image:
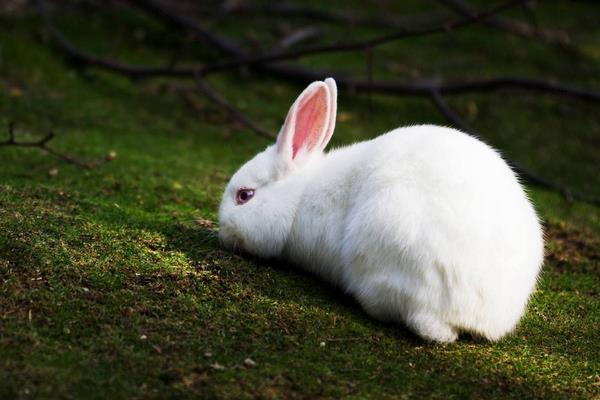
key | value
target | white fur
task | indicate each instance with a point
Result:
(425, 225)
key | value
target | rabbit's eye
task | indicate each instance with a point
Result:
(243, 195)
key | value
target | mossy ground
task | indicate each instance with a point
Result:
(112, 284)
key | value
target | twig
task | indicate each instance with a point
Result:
(515, 27)
(233, 111)
(223, 44)
(42, 144)
(79, 56)
(297, 36)
(344, 339)
(530, 15)
(523, 172)
(369, 71)
(448, 113)
(288, 9)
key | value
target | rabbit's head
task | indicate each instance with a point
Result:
(260, 201)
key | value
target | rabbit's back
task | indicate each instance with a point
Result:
(440, 234)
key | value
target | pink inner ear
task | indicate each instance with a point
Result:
(310, 121)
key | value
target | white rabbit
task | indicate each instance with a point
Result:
(425, 225)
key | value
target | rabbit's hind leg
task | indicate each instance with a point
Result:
(431, 328)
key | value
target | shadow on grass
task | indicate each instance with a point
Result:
(444, 370)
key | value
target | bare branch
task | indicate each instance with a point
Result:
(288, 9)
(241, 58)
(223, 44)
(233, 111)
(11, 133)
(302, 74)
(80, 56)
(449, 113)
(297, 36)
(424, 87)
(42, 144)
(530, 15)
(515, 27)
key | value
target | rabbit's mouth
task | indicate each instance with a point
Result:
(236, 247)
(230, 241)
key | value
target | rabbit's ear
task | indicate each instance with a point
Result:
(310, 122)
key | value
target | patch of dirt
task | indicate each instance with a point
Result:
(571, 249)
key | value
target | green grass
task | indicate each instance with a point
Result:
(112, 284)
